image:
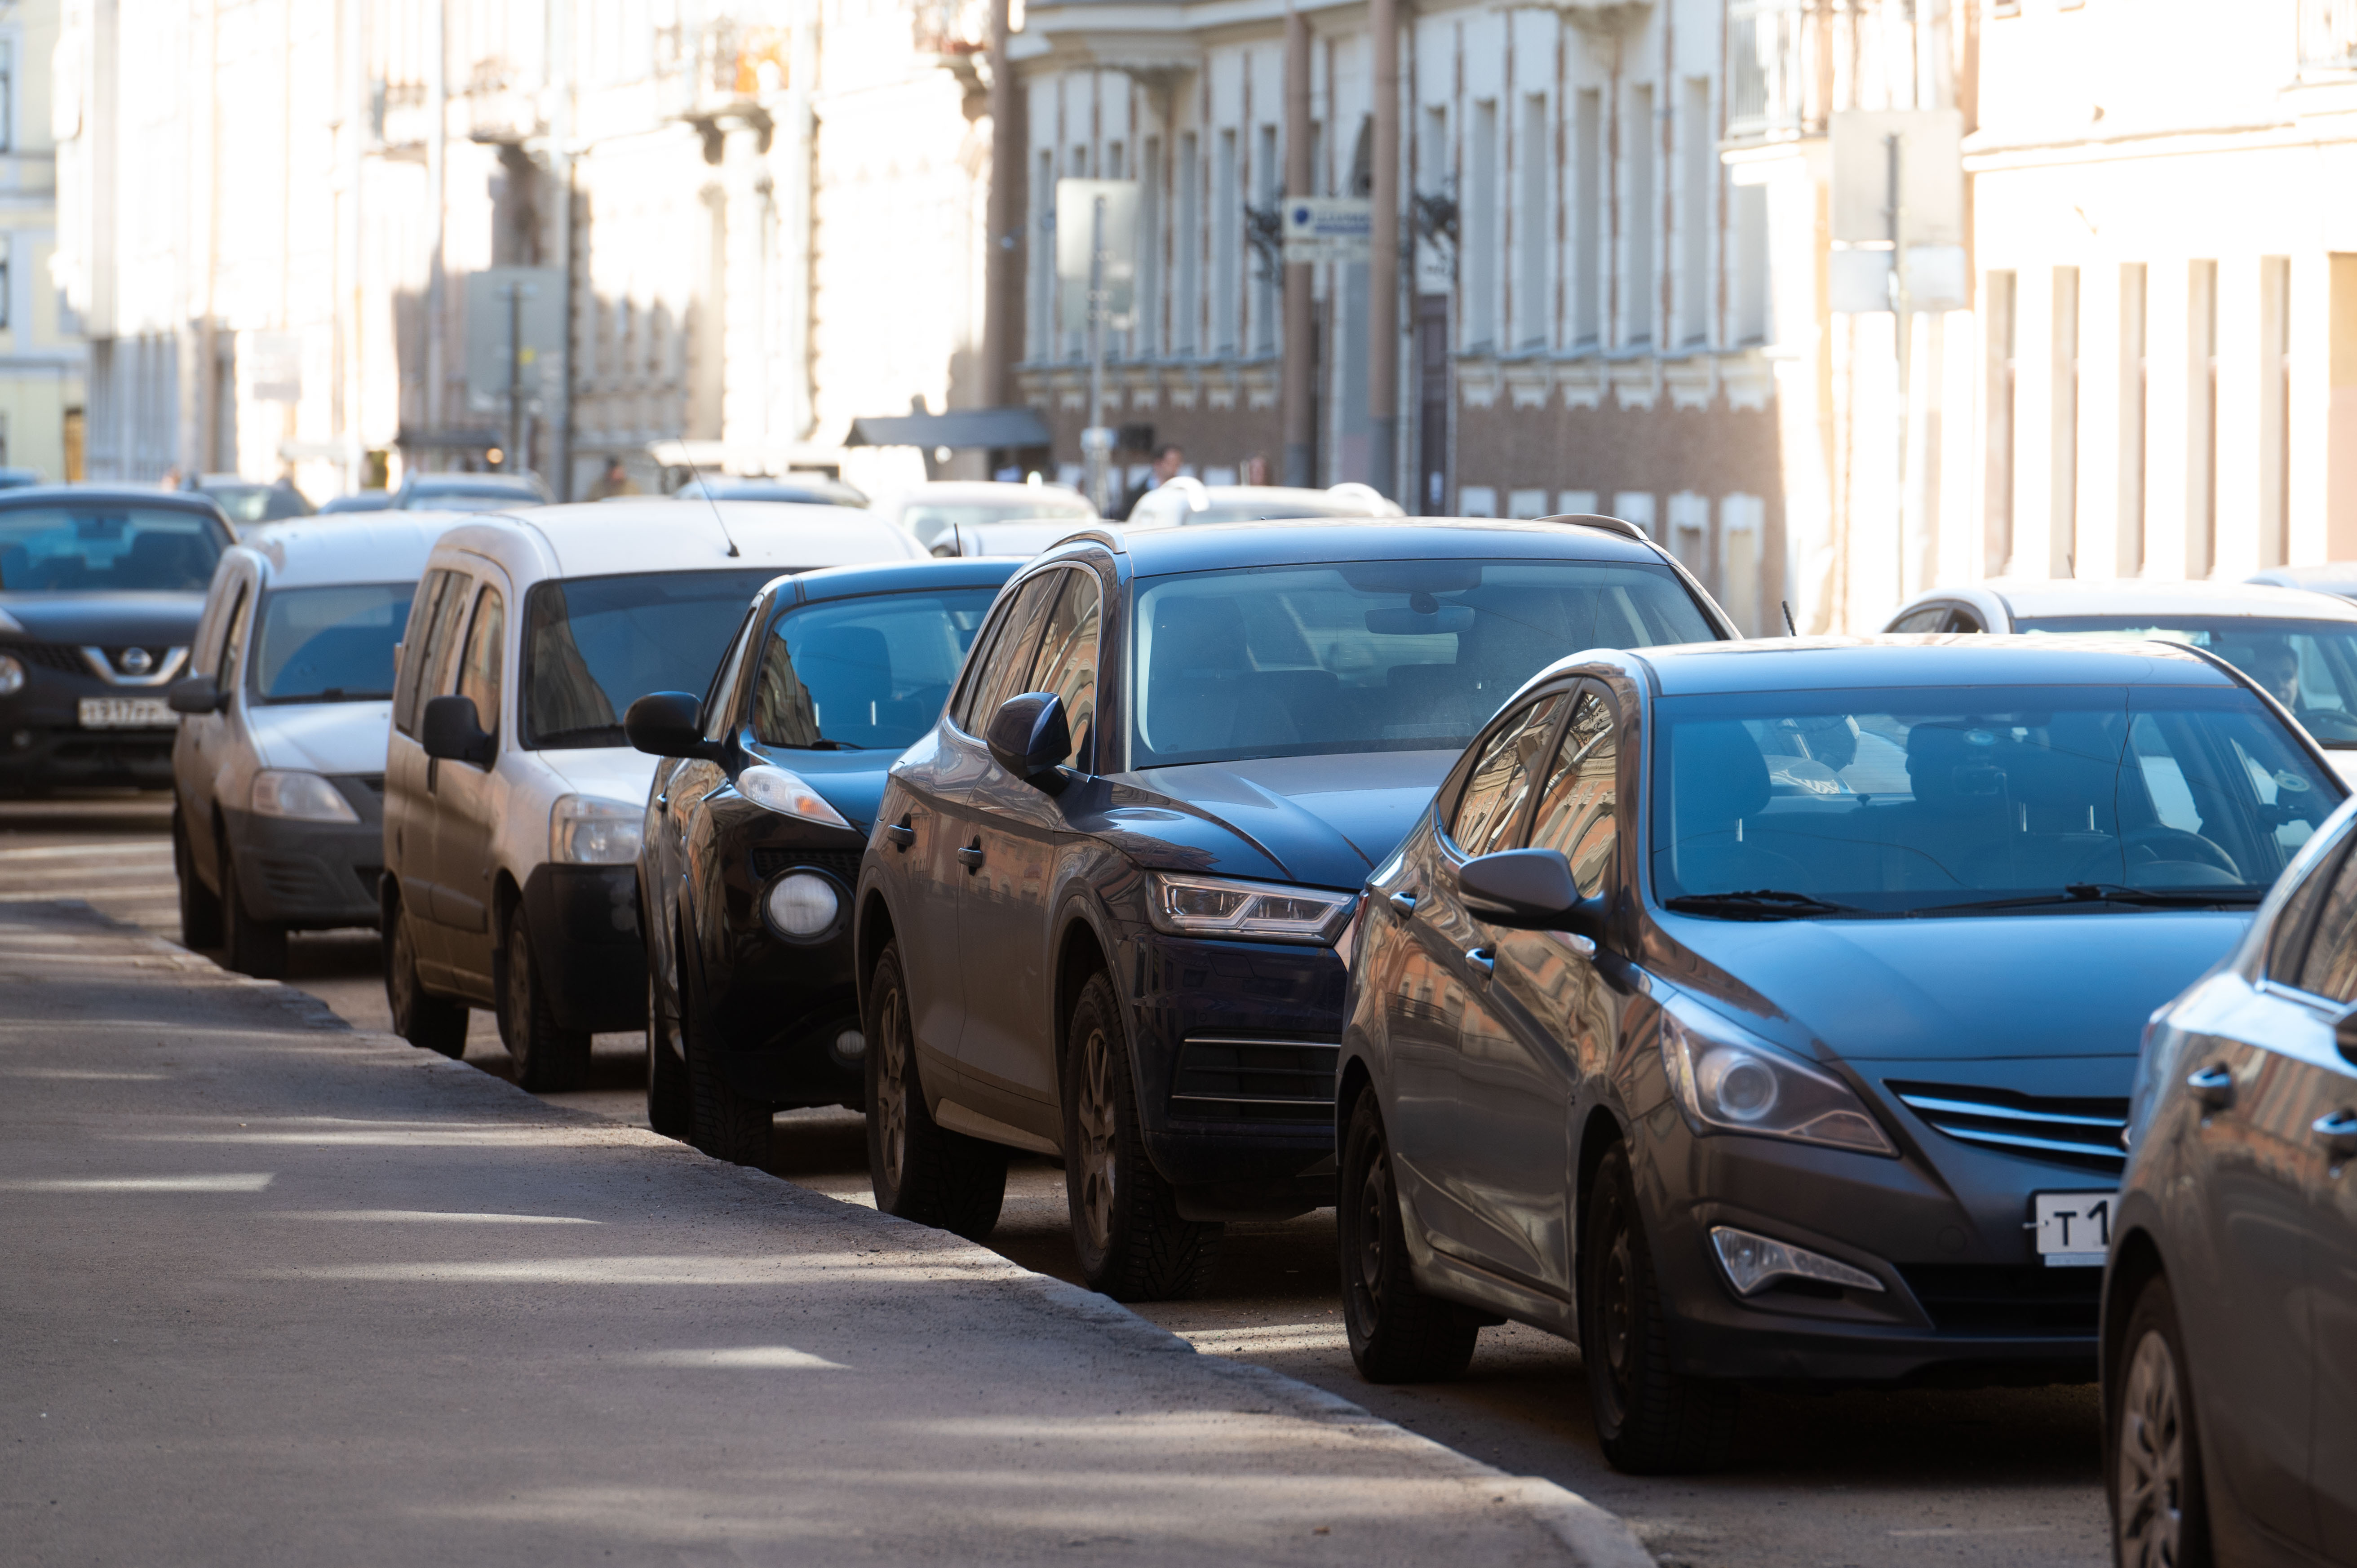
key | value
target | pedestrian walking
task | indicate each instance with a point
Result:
(1168, 461)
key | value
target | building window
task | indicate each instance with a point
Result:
(7, 95)
(2063, 482)
(1697, 212)
(1638, 306)
(1186, 316)
(1587, 217)
(1998, 546)
(1689, 538)
(1149, 337)
(2275, 409)
(1742, 550)
(1751, 264)
(2136, 380)
(1534, 161)
(1477, 263)
(1227, 244)
(1268, 186)
(1036, 330)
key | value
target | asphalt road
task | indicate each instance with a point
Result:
(1984, 1478)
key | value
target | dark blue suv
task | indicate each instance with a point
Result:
(1099, 916)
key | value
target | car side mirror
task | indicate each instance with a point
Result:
(451, 733)
(669, 724)
(2344, 1033)
(1029, 737)
(1530, 890)
(197, 694)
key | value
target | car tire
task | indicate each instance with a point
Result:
(666, 1070)
(250, 946)
(548, 1059)
(1133, 1243)
(920, 1169)
(721, 1122)
(1397, 1332)
(2161, 1512)
(201, 908)
(430, 1023)
(1651, 1419)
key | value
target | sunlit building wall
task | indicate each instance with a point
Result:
(41, 356)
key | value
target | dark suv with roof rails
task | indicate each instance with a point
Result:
(1099, 915)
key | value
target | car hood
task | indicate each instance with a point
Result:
(106, 620)
(322, 737)
(851, 781)
(608, 772)
(1955, 988)
(1324, 821)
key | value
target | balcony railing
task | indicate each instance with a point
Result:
(2327, 35)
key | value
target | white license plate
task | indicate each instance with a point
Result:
(127, 712)
(2074, 1229)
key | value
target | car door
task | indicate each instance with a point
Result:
(1474, 1042)
(211, 738)
(470, 799)
(409, 820)
(683, 788)
(1008, 1043)
(2333, 1266)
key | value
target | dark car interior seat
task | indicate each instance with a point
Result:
(848, 670)
(1201, 693)
(159, 561)
(1718, 781)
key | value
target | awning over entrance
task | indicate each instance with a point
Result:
(958, 429)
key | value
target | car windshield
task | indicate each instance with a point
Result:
(1374, 655)
(330, 645)
(1917, 801)
(865, 673)
(106, 547)
(2308, 666)
(592, 646)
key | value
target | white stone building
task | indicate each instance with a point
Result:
(41, 356)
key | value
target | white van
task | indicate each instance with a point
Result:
(513, 802)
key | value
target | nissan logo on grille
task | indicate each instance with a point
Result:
(135, 661)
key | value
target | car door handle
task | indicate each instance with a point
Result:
(1404, 903)
(2339, 1132)
(1481, 961)
(970, 856)
(2213, 1086)
(901, 834)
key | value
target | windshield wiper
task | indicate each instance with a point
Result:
(1761, 904)
(2110, 893)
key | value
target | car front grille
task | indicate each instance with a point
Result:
(843, 864)
(49, 656)
(2082, 1132)
(1974, 1298)
(1231, 1078)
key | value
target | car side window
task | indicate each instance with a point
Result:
(432, 654)
(1008, 664)
(1576, 807)
(1931, 619)
(479, 670)
(2328, 966)
(233, 648)
(1067, 662)
(720, 703)
(1963, 620)
(1491, 810)
(423, 611)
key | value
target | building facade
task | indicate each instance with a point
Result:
(42, 354)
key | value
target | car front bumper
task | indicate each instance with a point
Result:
(309, 875)
(587, 947)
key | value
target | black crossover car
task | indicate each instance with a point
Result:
(754, 828)
(99, 592)
(1770, 1011)
(1100, 911)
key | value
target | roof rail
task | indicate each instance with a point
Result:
(1621, 526)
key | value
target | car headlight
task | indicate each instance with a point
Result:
(585, 831)
(1256, 911)
(12, 675)
(1728, 1082)
(801, 905)
(775, 789)
(1754, 1262)
(305, 797)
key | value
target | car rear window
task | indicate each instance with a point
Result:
(330, 645)
(101, 547)
(592, 646)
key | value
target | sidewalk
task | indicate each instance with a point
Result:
(273, 1290)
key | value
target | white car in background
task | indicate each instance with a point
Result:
(2299, 645)
(1184, 502)
(931, 510)
(278, 767)
(513, 803)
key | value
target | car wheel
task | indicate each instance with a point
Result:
(1133, 1243)
(253, 946)
(1651, 1419)
(200, 910)
(920, 1170)
(430, 1023)
(666, 1072)
(720, 1122)
(547, 1058)
(2159, 1514)
(1397, 1332)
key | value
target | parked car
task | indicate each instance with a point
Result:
(2335, 577)
(99, 592)
(754, 830)
(470, 492)
(359, 500)
(1769, 1012)
(2229, 1306)
(248, 504)
(1185, 502)
(1100, 910)
(513, 802)
(1017, 538)
(929, 510)
(278, 769)
(2300, 647)
(809, 489)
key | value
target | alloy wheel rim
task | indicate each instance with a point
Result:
(2151, 1459)
(891, 1092)
(1098, 1173)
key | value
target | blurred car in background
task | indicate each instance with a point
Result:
(470, 492)
(2230, 1303)
(754, 832)
(1016, 537)
(2339, 577)
(249, 502)
(1184, 502)
(17, 478)
(100, 593)
(279, 770)
(932, 510)
(513, 802)
(2298, 645)
(807, 489)
(359, 500)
